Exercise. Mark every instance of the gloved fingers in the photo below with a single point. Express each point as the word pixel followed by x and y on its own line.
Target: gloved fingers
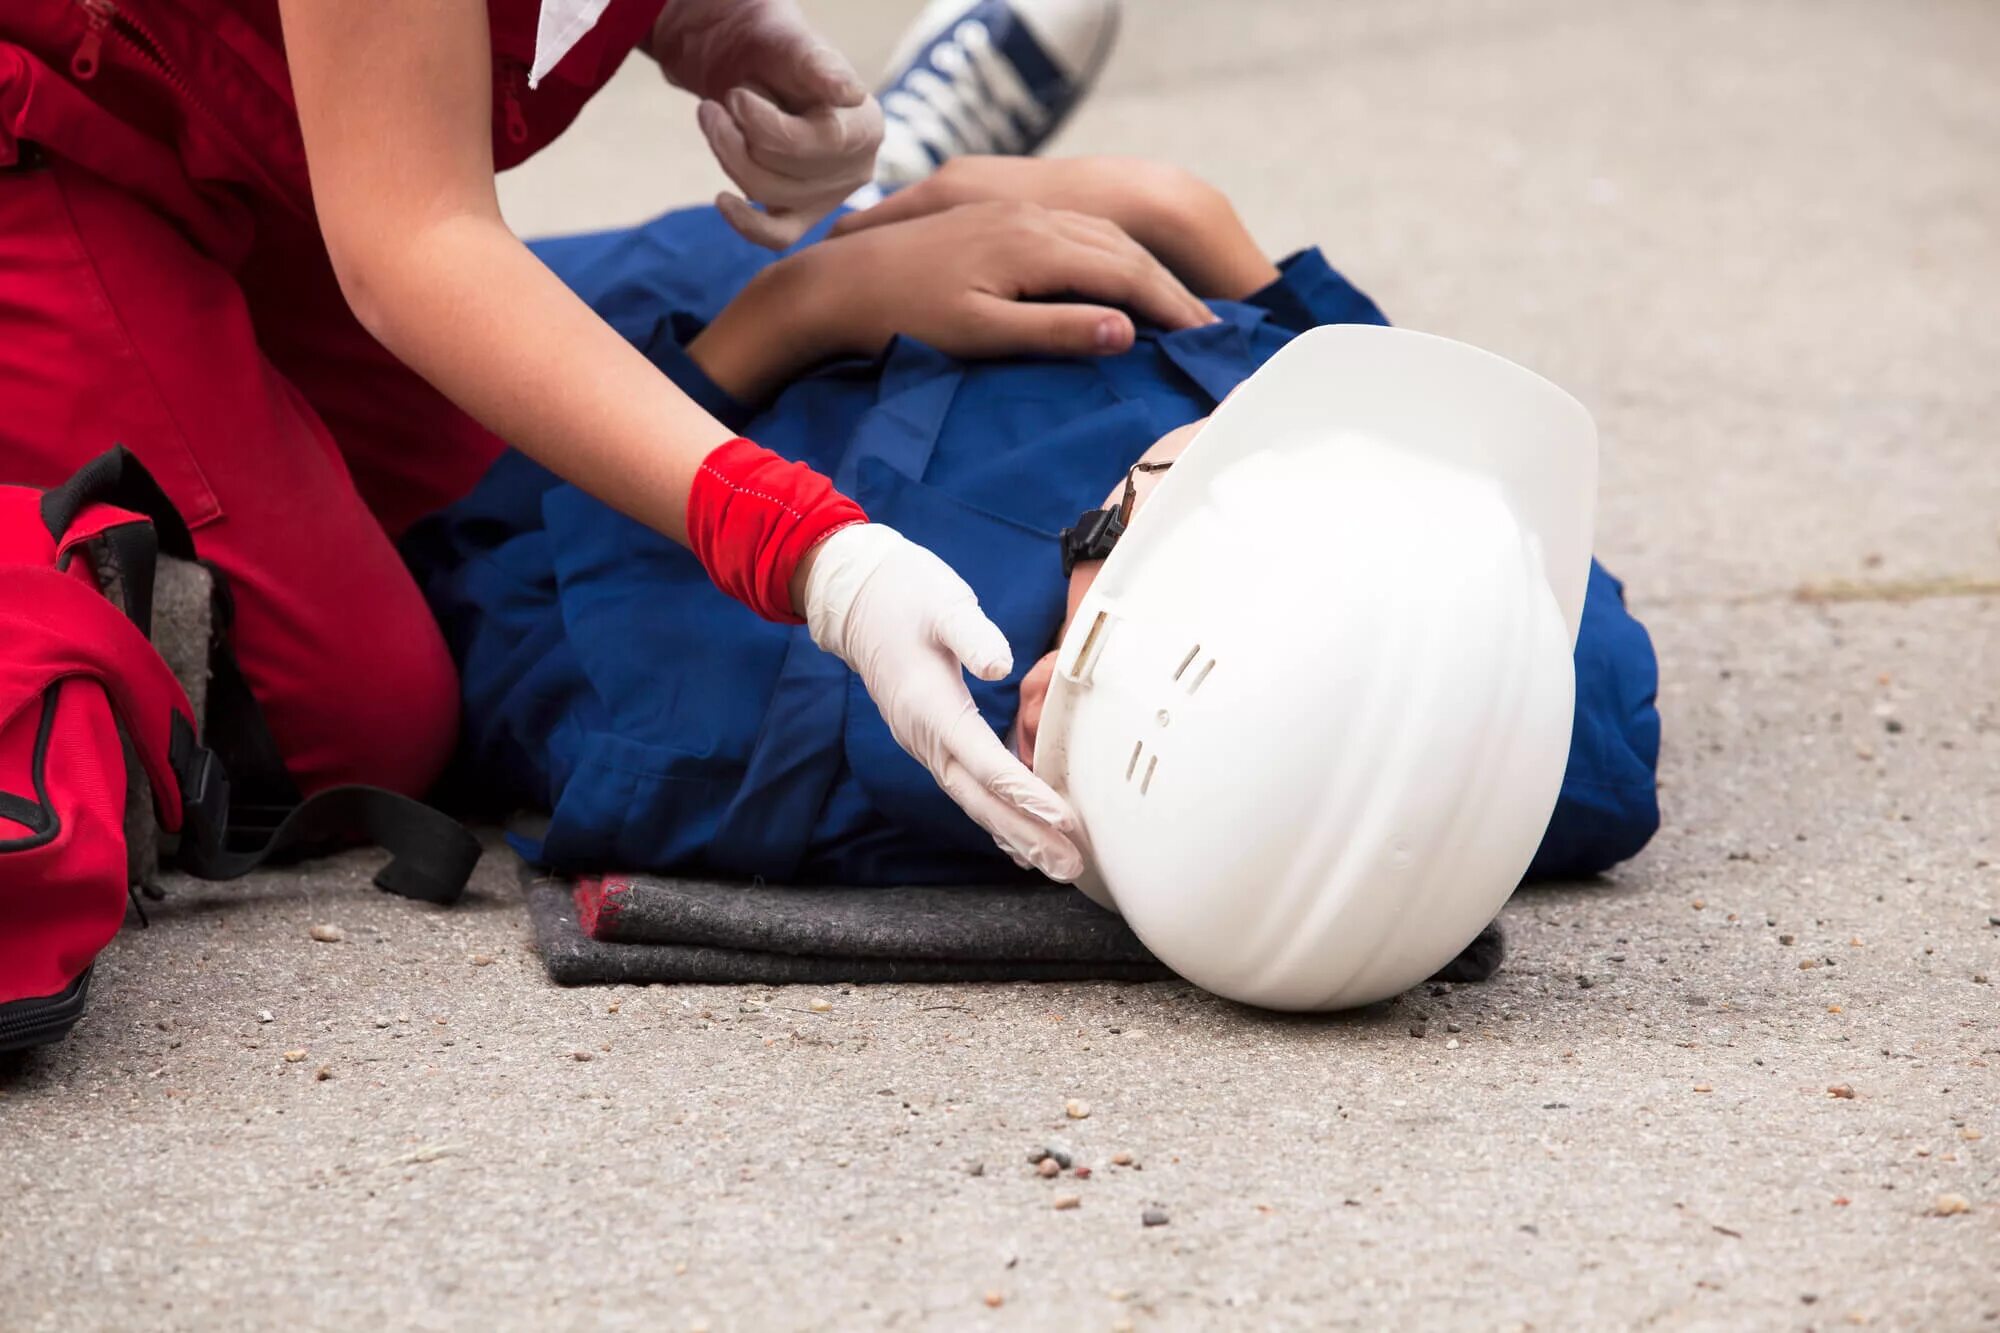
pixel 801 70
pixel 1024 837
pixel 975 640
pixel 815 187
pixel 971 744
pixel 831 146
pixel 1013 854
pixel 778 229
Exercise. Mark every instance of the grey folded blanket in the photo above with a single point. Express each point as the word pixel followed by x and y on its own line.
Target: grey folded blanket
pixel 648 928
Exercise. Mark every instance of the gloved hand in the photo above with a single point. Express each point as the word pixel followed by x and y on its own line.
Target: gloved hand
pixel 784 113
pixel 904 621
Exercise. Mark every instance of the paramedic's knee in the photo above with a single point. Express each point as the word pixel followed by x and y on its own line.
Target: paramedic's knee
pixel 386 713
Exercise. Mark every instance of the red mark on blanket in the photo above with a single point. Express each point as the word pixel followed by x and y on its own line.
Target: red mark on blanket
pixel 597 904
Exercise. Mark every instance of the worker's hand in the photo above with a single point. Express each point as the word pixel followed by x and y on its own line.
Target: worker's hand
pixel 906 624
pixel 785 114
pixel 1189 224
pixel 967 281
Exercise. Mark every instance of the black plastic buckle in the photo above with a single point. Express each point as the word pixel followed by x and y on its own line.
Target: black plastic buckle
pixel 204 793
pixel 1095 533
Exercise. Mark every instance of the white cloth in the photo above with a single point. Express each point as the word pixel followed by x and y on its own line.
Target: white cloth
pixel 561 26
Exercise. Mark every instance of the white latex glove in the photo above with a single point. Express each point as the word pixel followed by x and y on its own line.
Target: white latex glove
pixel 904 621
pixel 784 113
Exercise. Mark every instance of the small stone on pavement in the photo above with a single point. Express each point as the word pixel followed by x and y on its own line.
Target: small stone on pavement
pixel 1076 1110
pixel 326 934
pixel 1153 1217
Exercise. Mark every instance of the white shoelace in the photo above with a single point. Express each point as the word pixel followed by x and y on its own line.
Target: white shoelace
pixel 984 108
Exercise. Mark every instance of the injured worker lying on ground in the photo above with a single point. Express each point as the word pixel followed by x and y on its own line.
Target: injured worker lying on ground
pixel 663 728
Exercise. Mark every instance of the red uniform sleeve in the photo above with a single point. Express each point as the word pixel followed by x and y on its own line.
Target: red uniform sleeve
pixel 752 516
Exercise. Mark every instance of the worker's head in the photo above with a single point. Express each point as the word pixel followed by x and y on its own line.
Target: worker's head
pixel 1314 710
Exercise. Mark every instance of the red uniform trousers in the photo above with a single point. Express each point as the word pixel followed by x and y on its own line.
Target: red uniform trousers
pixel 292 442
pixel 163 286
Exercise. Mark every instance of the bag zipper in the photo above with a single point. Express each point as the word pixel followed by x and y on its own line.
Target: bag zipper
pixel 39 1021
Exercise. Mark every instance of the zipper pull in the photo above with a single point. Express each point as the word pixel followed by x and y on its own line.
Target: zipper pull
pixel 84 63
pixel 517 119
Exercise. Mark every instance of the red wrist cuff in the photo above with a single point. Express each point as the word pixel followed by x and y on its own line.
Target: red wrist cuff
pixel 752 516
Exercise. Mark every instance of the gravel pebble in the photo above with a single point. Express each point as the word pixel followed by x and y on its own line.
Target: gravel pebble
pixel 976 1169
pixel 1076 1110
pixel 1417 1029
pixel 1704 1087
pixel 293 1057
pixel 326 934
pixel 482 960
pixel 1841 1090
pixel 1121 1159
pixel 323 1073
pixel 1047 1168
pixel 1064 1202
pixel 994 1300
pixel 1153 1217
pixel 1950 1205
pixel 820 1006
pixel 581 1057
pixel 264 1016
pixel 1788 939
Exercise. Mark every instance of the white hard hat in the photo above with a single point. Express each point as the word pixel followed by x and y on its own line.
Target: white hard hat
pixel 1315 709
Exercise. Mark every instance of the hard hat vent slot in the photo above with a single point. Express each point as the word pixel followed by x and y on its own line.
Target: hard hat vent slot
pixel 1145 783
pixel 1187 661
pixel 1087 655
pixel 1132 764
pixel 1201 675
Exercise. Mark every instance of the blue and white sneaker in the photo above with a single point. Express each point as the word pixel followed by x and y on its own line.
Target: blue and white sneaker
pixel 994 76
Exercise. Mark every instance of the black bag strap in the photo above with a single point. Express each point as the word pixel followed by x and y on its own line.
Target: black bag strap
pixel 116 477
pixel 431 855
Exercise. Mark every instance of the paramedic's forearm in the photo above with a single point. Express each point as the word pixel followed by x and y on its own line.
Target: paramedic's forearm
pixel 402 178
pixel 466 305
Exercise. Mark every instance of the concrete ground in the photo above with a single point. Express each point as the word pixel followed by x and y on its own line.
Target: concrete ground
pixel 1760 241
